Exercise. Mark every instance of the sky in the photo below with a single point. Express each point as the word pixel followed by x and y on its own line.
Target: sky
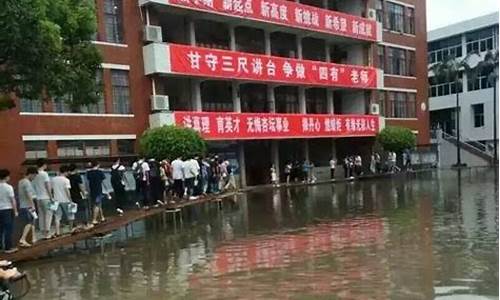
pixel 446 12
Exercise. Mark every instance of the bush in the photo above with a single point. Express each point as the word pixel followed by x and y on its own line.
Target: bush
pixel 170 142
pixel 396 139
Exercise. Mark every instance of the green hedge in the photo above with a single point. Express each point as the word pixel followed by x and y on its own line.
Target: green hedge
pixel 396 139
pixel 170 142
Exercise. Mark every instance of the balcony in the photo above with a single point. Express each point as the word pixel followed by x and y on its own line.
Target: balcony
pixel 182 60
pixel 242 126
pixel 281 15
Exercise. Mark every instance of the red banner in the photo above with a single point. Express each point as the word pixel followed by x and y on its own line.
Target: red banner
pixel 206 62
pixel 288 13
pixel 239 126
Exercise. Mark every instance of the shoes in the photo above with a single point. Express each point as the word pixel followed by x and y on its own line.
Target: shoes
pixel 24 244
pixel 11 250
pixel 138 205
pixel 119 211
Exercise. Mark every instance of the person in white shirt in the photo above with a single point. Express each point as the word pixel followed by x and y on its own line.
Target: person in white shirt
pixel 333 164
pixel 178 177
pixel 191 171
pixel 27 207
pixel 8 211
pixel 62 204
pixel 43 192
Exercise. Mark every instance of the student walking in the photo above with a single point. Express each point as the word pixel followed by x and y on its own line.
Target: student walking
pixel 231 182
pixel 274 176
pixel 61 204
pixel 79 196
pixel 191 170
pixel 118 185
pixel 178 177
pixel 288 172
pixel 43 192
pixel 27 210
pixel 333 164
pixel 8 211
pixel 95 178
pixel 155 179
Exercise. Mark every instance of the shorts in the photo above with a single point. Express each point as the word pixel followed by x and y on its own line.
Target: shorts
pixel 64 209
pixel 97 200
pixel 26 216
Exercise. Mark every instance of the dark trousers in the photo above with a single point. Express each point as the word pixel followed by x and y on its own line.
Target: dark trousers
pixel 189 185
pixel 120 195
pixel 6 228
pixel 332 173
pixel 179 188
pixel 156 188
pixel 146 197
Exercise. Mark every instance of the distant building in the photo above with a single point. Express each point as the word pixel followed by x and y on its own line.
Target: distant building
pixel 476 95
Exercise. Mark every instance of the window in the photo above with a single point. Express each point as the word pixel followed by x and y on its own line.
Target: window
pixel 125 147
pixel 287 100
pixel 97 108
pixel 316 101
pixel 121 101
pixel 81 148
pixel 60 106
pixel 381 57
pixel 478 115
pixel 399 62
pixel 480 40
pixel 35 149
pixel 401 105
pixel 395 17
pixel 28 105
pixel 441 87
pixel 410 20
pixel 113 20
pixel 440 50
pixel 478 82
pixel 70 149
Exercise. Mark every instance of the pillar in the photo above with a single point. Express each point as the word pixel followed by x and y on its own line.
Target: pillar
pixel 275 156
pixel 232 38
pixel 325 4
pixel 306 149
pixel 334 149
pixel 196 92
pixel 271 100
pixel 267 42
pixel 241 155
pixel 192 32
pixel 329 101
pixel 299 46
pixel 328 56
pixel 302 100
pixel 235 94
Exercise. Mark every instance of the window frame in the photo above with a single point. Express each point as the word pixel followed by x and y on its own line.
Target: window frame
pixel 478 116
pixel 113 16
pixel 121 92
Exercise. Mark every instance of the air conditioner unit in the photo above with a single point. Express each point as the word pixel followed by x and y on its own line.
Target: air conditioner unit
pixel 372 14
pixel 374 109
pixel 159 103
pixel 152 34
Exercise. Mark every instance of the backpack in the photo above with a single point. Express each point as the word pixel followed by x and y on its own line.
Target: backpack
pixel 154 169
pixel 138 170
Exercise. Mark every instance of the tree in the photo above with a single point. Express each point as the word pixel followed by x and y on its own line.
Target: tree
pixel 488 66
pixel 171 142
pixel 449 70
pixel 46 52
pixel 396 139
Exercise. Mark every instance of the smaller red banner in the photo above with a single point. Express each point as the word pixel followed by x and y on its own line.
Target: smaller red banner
pixel 206 62
pixel 238 126
pixel 288 13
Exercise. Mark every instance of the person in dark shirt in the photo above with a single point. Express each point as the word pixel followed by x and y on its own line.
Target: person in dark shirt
pixel 95 178
pixel 78 195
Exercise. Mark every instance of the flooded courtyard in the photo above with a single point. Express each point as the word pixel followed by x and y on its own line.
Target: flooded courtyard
pixel 430 235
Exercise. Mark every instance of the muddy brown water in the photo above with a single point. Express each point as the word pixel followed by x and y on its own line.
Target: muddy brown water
pixel 432 235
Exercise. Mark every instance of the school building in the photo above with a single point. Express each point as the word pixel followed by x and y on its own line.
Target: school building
pixel 264 81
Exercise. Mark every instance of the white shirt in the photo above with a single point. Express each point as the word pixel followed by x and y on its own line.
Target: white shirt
pixel 191 168
pixel 177 169
pixel 61 186
pixel 6 195
pixel 39 185
pixel 333 162
pixel 145 168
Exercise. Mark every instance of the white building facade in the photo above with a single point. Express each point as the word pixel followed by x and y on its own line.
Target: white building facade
pixel 476 94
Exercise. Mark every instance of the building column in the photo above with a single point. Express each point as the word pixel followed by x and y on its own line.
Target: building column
pixel 267 42
pixel 192 32
pixel 306 149
pixel 299 46
pixel 275 156
pixel 334 149
pixel 241 155
pixel 325 4
pixel 232 38
pixel 328 56
pixel 235 94
pixel 196 94
pixel 271 99
pixel 329 101
pixel 302 100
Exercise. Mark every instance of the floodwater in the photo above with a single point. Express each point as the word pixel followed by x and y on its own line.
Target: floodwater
pixel 427 236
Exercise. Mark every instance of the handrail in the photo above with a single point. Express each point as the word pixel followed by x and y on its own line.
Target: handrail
pixel 471 148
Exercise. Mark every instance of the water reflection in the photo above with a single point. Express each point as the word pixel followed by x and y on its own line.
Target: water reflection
pixel 419 237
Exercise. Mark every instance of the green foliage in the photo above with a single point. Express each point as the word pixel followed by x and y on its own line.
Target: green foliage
pixel 46 53
pixel 396 139
pixel 488 66
pixel 449 69
pixel 171 142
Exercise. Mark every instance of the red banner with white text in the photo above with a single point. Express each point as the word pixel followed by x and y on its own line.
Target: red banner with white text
pixel 288 13
pixel 237 126
pixel 206 62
